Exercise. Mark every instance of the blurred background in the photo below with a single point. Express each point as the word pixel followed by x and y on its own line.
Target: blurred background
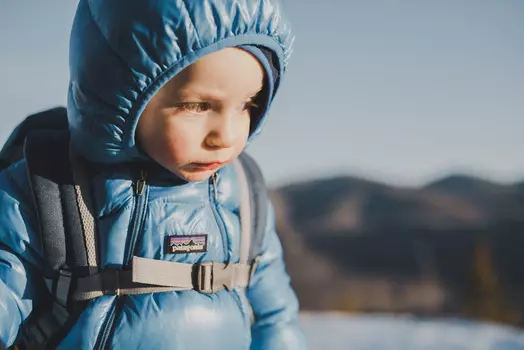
pixel 394 158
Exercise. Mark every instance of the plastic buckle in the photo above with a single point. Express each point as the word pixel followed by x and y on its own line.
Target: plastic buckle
pixel 204 277
pixel 62 287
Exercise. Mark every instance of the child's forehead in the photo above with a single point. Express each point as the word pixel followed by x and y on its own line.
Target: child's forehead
pixel 215 76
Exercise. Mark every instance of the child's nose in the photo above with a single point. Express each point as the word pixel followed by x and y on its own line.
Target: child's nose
pixel 224 132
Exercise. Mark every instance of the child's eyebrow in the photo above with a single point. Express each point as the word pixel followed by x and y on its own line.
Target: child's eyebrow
pixel 208 95
pixel 185 94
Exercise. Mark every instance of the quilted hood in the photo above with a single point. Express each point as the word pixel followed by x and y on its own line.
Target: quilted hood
pixel 123 51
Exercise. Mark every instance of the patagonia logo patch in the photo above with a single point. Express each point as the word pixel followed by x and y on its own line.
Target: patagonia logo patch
pixel 186 244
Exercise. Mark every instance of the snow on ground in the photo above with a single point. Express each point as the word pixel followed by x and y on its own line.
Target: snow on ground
pixel 372 332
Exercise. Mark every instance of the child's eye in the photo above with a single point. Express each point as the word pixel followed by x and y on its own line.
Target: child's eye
pixel 193 107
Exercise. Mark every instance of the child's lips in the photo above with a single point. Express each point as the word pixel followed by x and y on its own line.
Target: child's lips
pixel 206 166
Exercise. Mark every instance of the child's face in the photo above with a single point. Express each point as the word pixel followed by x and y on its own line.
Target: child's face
pixel 199 121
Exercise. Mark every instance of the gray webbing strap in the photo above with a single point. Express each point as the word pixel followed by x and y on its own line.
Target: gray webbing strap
pixel 245 212
pixel 246 224
pixel 259 204
pixel 85 205
pixel 152 276
pixel 210 276
pixel 114 282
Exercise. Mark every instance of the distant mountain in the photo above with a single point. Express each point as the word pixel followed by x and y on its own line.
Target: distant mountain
pixel 495 200
pixel 356 205
pixel 432 243
pixel 464 184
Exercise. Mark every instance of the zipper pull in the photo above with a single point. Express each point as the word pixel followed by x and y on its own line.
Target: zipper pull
pixel 141 183
pixel 215 181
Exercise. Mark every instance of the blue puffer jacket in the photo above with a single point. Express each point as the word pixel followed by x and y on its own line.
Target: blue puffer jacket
pixel 122 52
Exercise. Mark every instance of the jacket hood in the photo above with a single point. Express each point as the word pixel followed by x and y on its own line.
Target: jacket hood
pixel 123 51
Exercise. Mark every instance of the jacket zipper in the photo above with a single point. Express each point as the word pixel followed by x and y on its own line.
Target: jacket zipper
pixel 236 296
pixel 139 215
pixel 136 226
pixel 216 212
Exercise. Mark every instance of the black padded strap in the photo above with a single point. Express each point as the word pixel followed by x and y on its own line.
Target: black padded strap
pixel 46 170
pixel 259 203
pixel 47 155
pixel 51 179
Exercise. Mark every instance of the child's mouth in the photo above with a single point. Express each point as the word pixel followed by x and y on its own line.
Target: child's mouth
pixel 205 166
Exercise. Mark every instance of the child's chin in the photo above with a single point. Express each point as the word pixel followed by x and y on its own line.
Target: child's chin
pixel 196 176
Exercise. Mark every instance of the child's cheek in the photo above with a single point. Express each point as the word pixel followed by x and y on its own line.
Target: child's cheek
pixel 179 149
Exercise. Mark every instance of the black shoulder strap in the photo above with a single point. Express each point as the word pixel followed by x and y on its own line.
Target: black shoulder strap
pixel 52 183
pixel 259 203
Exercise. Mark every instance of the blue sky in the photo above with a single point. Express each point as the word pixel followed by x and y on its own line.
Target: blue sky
pixel 398 91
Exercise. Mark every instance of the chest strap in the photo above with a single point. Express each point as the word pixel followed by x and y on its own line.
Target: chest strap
pixel 153 276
